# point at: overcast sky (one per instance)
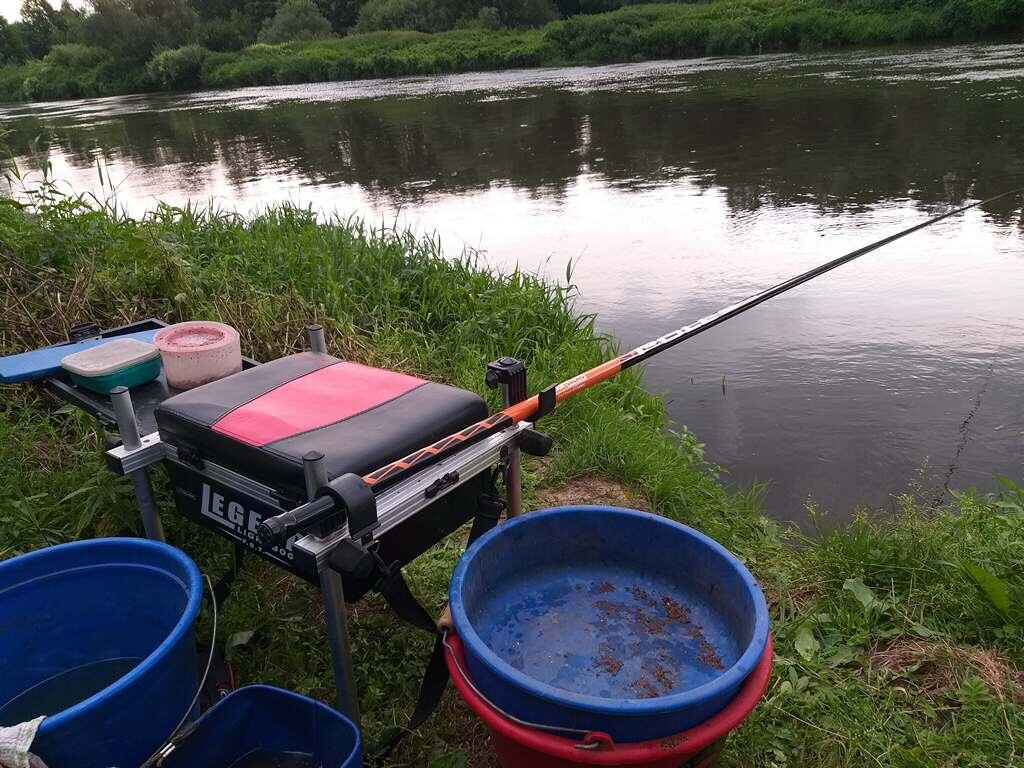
(11, 9)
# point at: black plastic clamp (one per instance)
(546, 400)
(511, 372)
(535, 443)
(348, 494)
(352, 494)
(82, 331)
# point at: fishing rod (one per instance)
(279, 527)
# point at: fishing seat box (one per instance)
(259, 423)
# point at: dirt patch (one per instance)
(939, 668)
(675, 611)
(797, 600)
(643, 688)
(591, 489)
(672, 742)
(608, 663)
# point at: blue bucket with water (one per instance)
(263, 726)
(98, 636)
(600, 619)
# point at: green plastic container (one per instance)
(119, 363)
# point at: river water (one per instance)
(674, 188)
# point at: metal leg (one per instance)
(335, 613)
(128, 427)
(337, 635)
(317, 342)
(144, 493)
(512, 475)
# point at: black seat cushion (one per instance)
(261, 422)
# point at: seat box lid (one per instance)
(262, 421)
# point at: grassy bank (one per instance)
(888, 653)
(634, 33)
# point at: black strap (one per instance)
(396, 593)
(222, 588)
(488, 512)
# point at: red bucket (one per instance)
(521, 747)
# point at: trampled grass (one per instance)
(893, 649)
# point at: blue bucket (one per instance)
(260, 720)
(600, 619)
(98, 635)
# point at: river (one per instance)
(674, 188)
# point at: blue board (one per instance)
(40, 363)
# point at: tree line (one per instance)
(132, 31)
(124, 46)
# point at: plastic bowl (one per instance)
(198, 352)
(607, 619)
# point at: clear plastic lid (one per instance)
(109, 358)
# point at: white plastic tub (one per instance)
(198, 352)
(118, 363)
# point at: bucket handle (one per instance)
(588, 739)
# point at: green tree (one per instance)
(438, 15)
(132, 30)
(12, 50)
(226, 34)
(421, 15)
(41, 27)
(295, 20)
(342, 14)
(526, 13)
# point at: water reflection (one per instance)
(678, 187)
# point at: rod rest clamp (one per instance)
(356, 555)
(348, 493)
(507, 371)
(352, 494)
(534, 443)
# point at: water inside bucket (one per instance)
(261, 759)
(64, 690)
(607, 632)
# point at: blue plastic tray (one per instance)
(605, 619)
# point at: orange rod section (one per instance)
(518, 412)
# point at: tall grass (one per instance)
(896, 638)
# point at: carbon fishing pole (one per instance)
(525, 409)
(531, 406)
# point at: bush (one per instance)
(398, 14)
(229, 34)
(76, 56)
(295, 20)
(177, 69)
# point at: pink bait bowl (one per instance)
(198, 352)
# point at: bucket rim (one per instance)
(263, 689)
(639, 753)
(181, 627)
(730, 678)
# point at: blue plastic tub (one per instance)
(260, 720)
(98, 635)
(607, 619)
